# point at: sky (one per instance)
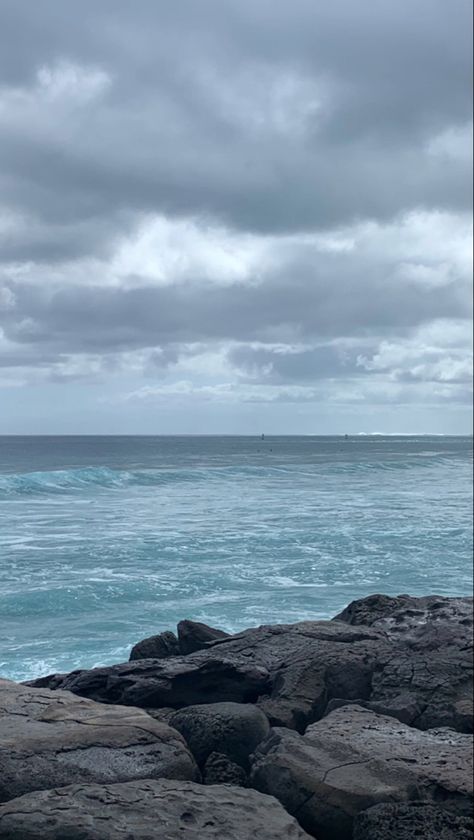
(235, 216)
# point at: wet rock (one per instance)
(156, 647)
(413, 819)
(147, 810)
(195, 636)
(233, 729)
(220, 770)
(49, 739)
(354, 759)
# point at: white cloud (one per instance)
(164, 251)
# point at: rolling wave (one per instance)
(53, 482)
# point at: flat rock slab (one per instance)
(175, 682)
(415, 819)
(53, 738)
(354, 759)
(147, 810)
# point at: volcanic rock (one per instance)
(429, 622)
(220, 770)
(291, 670)
(53, 738)
(353, 759)
(414, 819)
(233, 729)
(195, 636)
(147, 810)
(156, 647)
(175, 682)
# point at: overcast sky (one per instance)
(235, 216)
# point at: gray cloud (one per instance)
(197, 118)
(322, 132)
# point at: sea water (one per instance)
(106, 540)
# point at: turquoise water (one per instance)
(106, 540)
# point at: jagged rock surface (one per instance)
(415, 819)
(292, 671)
(408, 658)
(431, 621)
(175, 682)
(220, 770)
(413, 685)
(156, 647)
(52, 738)
(233, 729)
(193, 636)
(147, 810)
(353, 759)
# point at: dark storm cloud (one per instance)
(339, 298)
(187, 127)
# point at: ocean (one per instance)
(106, 540)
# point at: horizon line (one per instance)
(230, 434)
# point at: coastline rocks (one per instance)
(232, 729)
(427, 690)
(427, 623)
(290, 671)
(192, 636)
(156, 647)
(369, 713)
(147, 810)
(415, 819)
(220, 770)
(49, 739)
(195, 636)
(353, 759)
(175, 682)
(416, 685)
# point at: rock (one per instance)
(426, 691)
(164, 714)
(354, 759)
(292, 671)
(147, 810)
(195, 636)
(52, 738)
(428, 623)
(414, 819)
(414, 686)
(233, 729)
(175, 682)
(220, 770)
(156, 647)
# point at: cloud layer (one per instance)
(243, 210)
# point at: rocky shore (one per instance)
(358, 728)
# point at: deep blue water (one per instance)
(106, 540)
